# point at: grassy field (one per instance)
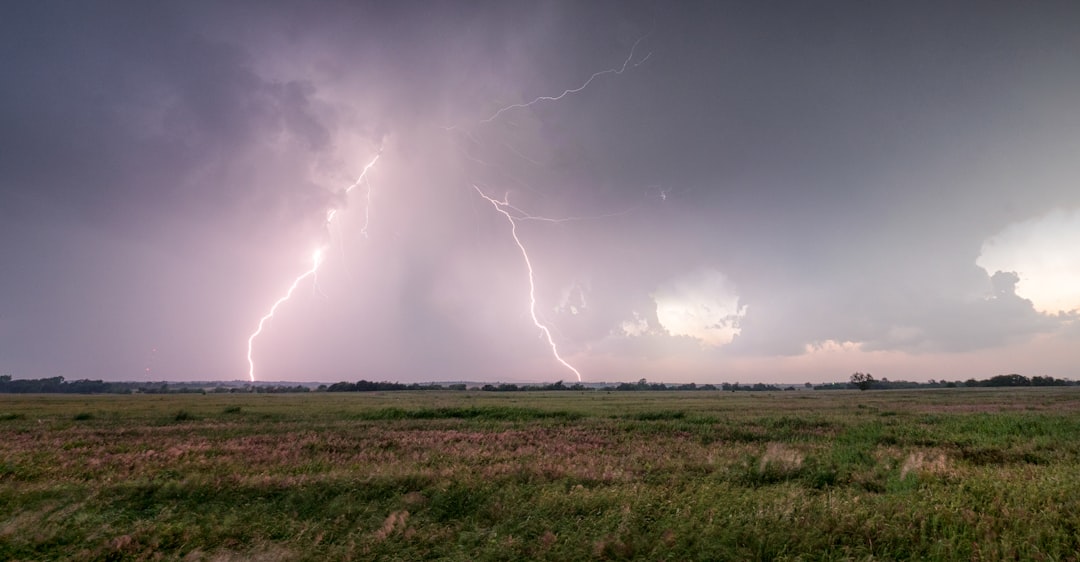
(958, 474)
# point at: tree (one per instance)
(1008, 380)
(862, 381)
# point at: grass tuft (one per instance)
(660, 415)
(184, 415)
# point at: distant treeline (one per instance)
(367, 386)
(732, 387)
(57, 385)
(995, 381)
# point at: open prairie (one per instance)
(957, 474)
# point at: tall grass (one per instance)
(940, 475)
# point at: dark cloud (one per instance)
(165, 171)
(125, 117)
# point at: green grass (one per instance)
(956, 474)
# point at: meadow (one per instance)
(950, 474)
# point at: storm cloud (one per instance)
(773, 191)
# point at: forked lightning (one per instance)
(504, 207)
(317, 259)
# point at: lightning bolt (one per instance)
(501, 207)
(514, 214)
(316, 261)
(361, 179)
(594, 76)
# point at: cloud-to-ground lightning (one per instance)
(316, 261)
(513, 214)
(502, 207)
(594, 76)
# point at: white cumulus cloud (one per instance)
(1045, 254)
(702, 305)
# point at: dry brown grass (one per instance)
(924, 462)
(395, 522)
(781, 458)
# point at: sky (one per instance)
(777, 192)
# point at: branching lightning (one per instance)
(514, 214)
(502, 207)
(361, 179)
(511, 213)
(317, 260)
(595, 75)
